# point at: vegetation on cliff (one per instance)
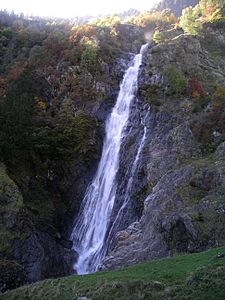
(207, 11)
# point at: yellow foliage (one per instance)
(113, 32)
(195, 95)
(41, 104)
(107, 21)
(89, 42)
(220, 93)
(153, 19)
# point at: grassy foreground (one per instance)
(194, 276)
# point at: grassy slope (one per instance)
(195, 276)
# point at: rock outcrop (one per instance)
(28, 251)
(179, 190)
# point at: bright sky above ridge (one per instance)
(72, 8)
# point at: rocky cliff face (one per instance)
(28, 252)
(177, 200)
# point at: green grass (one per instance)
(194, 276)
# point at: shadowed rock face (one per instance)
(179, 191)
(28, 251)
(43, 255)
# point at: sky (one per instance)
(72, 8)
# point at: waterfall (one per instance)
(89, 233)
(120, 214)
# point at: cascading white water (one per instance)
(89, 232)
(127, 194)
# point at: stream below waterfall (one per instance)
(89, 234)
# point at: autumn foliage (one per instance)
(195, 88)
(207, 11)
(152, 20)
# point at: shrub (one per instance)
(195, 88)
(189, 21)
(89, 54)
(200, 104)
(66, 138)
(218, 99)
(175, 81)
(209, 127)
(220, 94)
(158, 37)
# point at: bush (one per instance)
(158, 37)
(195, 88)
(209, 127)
(65, 139)
(189, 21)
(219, 94)
(175, 81)
(200, 104)
(89, 54)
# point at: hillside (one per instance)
(195, 276)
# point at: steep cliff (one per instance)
(177, 199)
